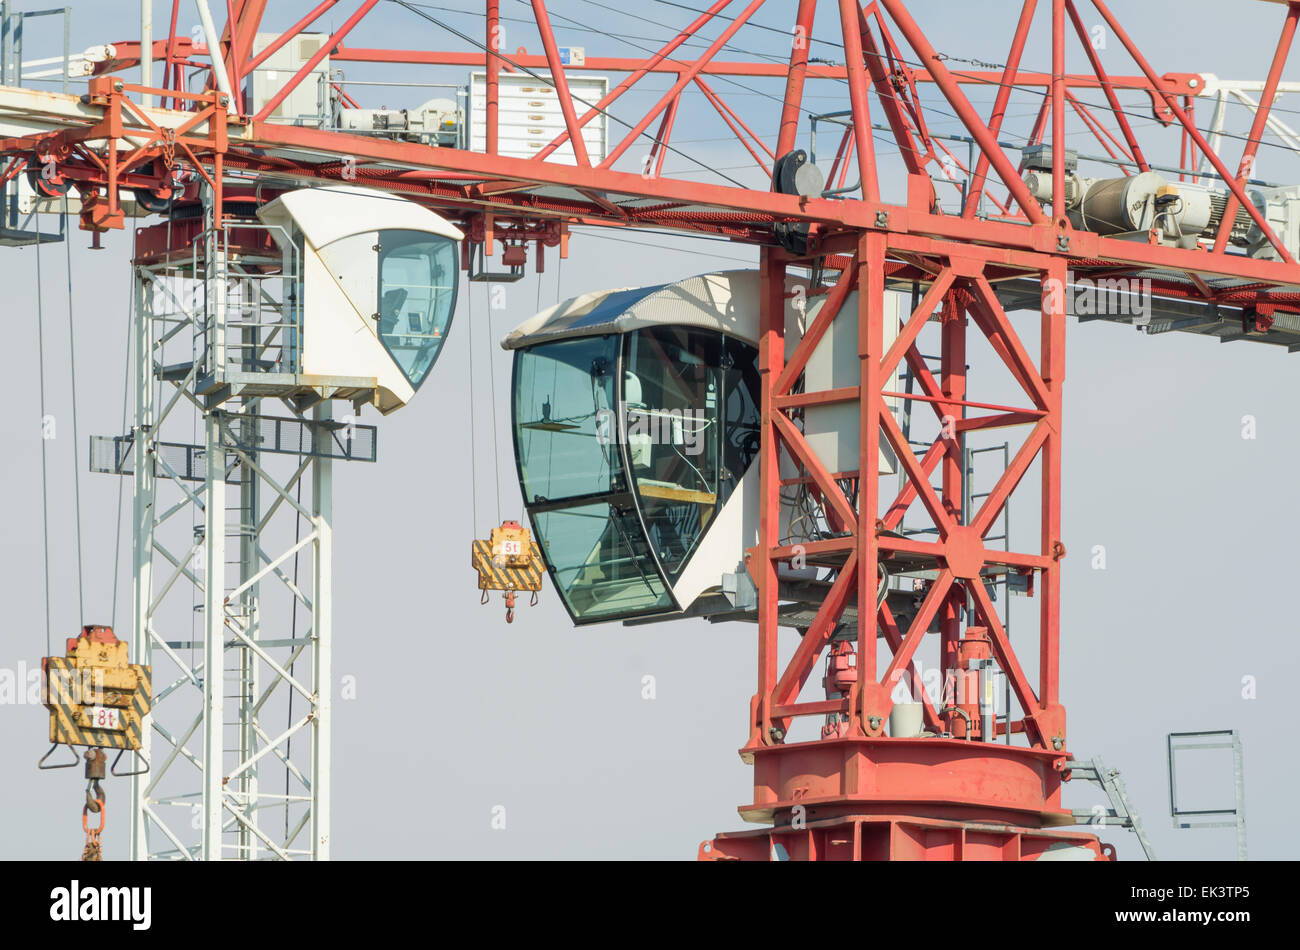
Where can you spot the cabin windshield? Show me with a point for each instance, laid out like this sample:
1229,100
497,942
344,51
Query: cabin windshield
571,473
417,295
627,448
691,427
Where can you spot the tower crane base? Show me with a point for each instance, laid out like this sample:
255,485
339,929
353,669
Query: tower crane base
862,837
880,798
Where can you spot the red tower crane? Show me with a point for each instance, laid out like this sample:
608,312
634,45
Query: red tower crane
1016,239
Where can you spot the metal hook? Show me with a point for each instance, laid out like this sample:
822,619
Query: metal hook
113,768
75,759
95,796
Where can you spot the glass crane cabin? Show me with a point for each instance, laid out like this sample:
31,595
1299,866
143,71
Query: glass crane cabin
636,419
378,278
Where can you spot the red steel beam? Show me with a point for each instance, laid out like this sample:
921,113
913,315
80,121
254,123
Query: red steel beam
1107,87
871,334
818,634
1257,126
813,335
771,357
895,640
939,514
1102,134
996,240
915,323
988,617
561,83
325,50
982,520
934,598
1000,103
248,16
789,127
1052,361
961,105
279,42
913,156
856,66
1172,102
797,446
492,105
898,508
725,113
1175,83
1058,111
988,309
682,80
650,65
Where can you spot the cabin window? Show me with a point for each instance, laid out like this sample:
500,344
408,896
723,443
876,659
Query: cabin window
417,295
627,447
600,561
690,419
564,401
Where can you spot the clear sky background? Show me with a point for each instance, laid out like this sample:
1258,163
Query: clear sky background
549,721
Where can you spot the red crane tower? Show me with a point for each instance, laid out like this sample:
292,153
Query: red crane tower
959,790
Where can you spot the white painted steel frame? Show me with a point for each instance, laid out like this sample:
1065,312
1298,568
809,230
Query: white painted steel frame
224,791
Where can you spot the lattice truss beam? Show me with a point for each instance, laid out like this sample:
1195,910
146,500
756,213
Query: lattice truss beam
894,80
959,297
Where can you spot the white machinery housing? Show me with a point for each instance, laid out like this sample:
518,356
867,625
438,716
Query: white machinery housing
306,103
437,122
1182,213
530,115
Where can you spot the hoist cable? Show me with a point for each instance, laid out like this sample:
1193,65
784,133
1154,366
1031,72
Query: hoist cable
45,501
76,440
473,442
126,382
492,383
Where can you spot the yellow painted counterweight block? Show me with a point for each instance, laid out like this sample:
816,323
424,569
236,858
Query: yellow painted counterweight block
95,697
508,560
